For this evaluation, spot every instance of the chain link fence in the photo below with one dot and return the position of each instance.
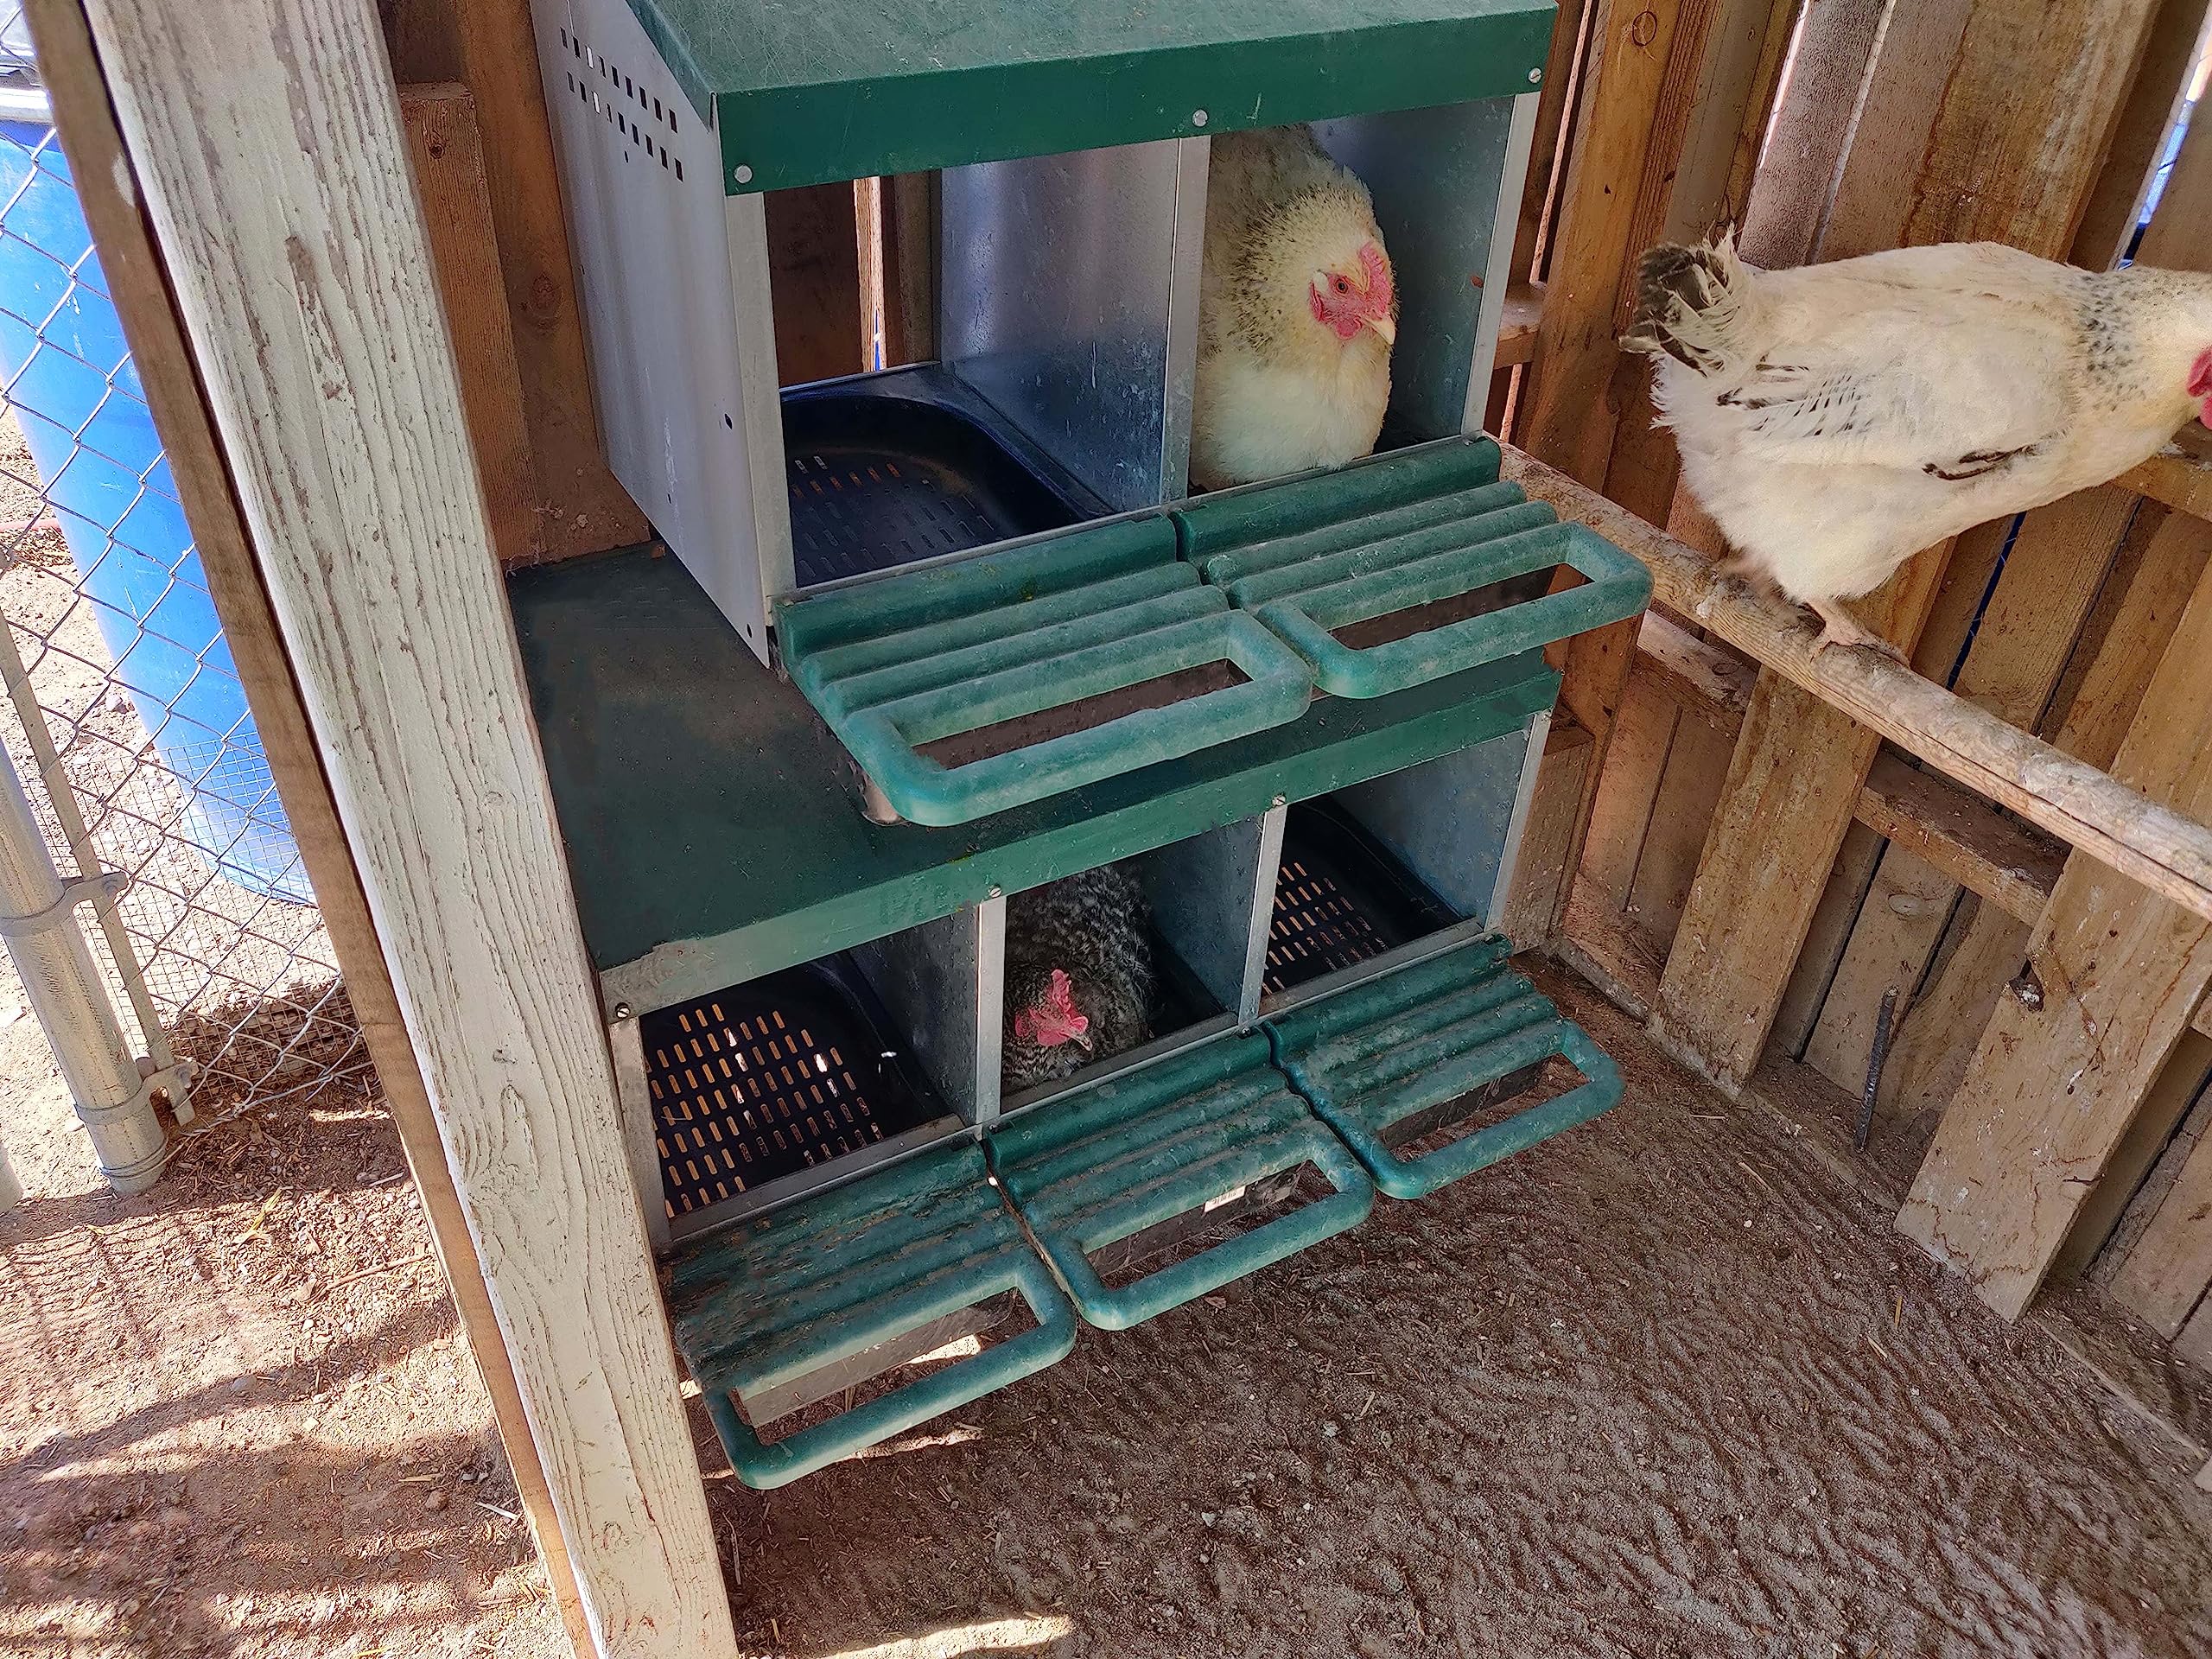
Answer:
(122, 700)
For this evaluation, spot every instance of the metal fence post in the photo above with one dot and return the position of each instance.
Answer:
(38, 921)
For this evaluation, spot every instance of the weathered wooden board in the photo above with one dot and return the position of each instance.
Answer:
(2052, 1089)
(292, 229)
(448, 158)
(490, 46)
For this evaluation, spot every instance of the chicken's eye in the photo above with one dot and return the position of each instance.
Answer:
(1340, 284)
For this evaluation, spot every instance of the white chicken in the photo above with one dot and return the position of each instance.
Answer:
(1297, 312)
(1835, 419)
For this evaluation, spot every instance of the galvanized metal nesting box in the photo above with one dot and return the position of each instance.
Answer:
(976, 592)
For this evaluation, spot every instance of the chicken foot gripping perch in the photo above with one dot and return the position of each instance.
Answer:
(1835, 419)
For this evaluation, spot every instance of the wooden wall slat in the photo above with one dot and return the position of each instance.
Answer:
(1789, 198)
(2121, 973)
(2169, 51)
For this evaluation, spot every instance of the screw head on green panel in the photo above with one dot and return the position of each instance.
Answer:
(742, 173)
(1198, 118)
(1535, 75)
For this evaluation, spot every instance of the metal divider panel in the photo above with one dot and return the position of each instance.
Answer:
(767, 1303)
(1371, 1056)
(1397, 571)
(1107, 1162)
(1078, 636)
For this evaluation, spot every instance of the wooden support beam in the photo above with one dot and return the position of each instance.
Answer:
(139, 288)
(2154, 102)
(448, 154)
(295, 242)
(2167, 852)
(1517, 332)
(490, 47)
(1962, 836)
(2053, 1089)
(2169, 1263)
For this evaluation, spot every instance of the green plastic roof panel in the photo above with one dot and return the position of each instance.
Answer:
(1092, 1168)
(948, 650)
(1383, 543)
(765, 1303)
(817, 91)
(1373, 1056)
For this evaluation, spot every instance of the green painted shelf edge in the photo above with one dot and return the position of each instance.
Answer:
(1370, 1057)
(806, 1286)
(713, 823)
(818, 91)
(1095, 1166)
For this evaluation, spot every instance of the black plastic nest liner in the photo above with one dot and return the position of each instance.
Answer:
(879, 479)
(1340, 898)
(772, 1076)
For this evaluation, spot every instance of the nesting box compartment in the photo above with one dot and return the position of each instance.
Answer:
(974, 596)
(1067, 152)
(843, 1285)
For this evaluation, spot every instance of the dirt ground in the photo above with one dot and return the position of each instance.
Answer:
(1661, 1387)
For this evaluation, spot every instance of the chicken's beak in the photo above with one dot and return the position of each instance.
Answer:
(1383, 326)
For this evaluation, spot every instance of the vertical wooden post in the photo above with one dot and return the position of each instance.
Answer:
(303, 273)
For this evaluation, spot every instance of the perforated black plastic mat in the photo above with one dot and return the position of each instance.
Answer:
(1340, 898)
(769, 1077)
(877, 481)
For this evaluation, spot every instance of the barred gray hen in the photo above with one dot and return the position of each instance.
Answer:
(1078, 976)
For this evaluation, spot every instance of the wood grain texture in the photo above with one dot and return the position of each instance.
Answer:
(1698, 674)
(302, 271)
(1934, 1044)
(2019, 649)
(815, 271)
(2052, 1089)
(489, 45)
(1789, 195)
(1898, 108)
(2026, 119)
(1555, 105)
(1540, 888)
(2179, 236)
(1961, 835)
(2167, 851)
(2166, 1267)
(1516, 328)
(139, 290)
(448, 160)
(1618, 158)
(2154, 100)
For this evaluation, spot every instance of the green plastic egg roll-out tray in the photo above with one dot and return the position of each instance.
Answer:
(1372, 1056)
(1376, 544)
(1094, 1167)
(764, 1304)
(950, 649)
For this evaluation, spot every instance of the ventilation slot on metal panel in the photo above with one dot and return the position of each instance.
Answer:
(767, 1078)
(1340, 900)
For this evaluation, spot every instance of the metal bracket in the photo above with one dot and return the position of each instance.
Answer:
(174, 1080)
(84, 890)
